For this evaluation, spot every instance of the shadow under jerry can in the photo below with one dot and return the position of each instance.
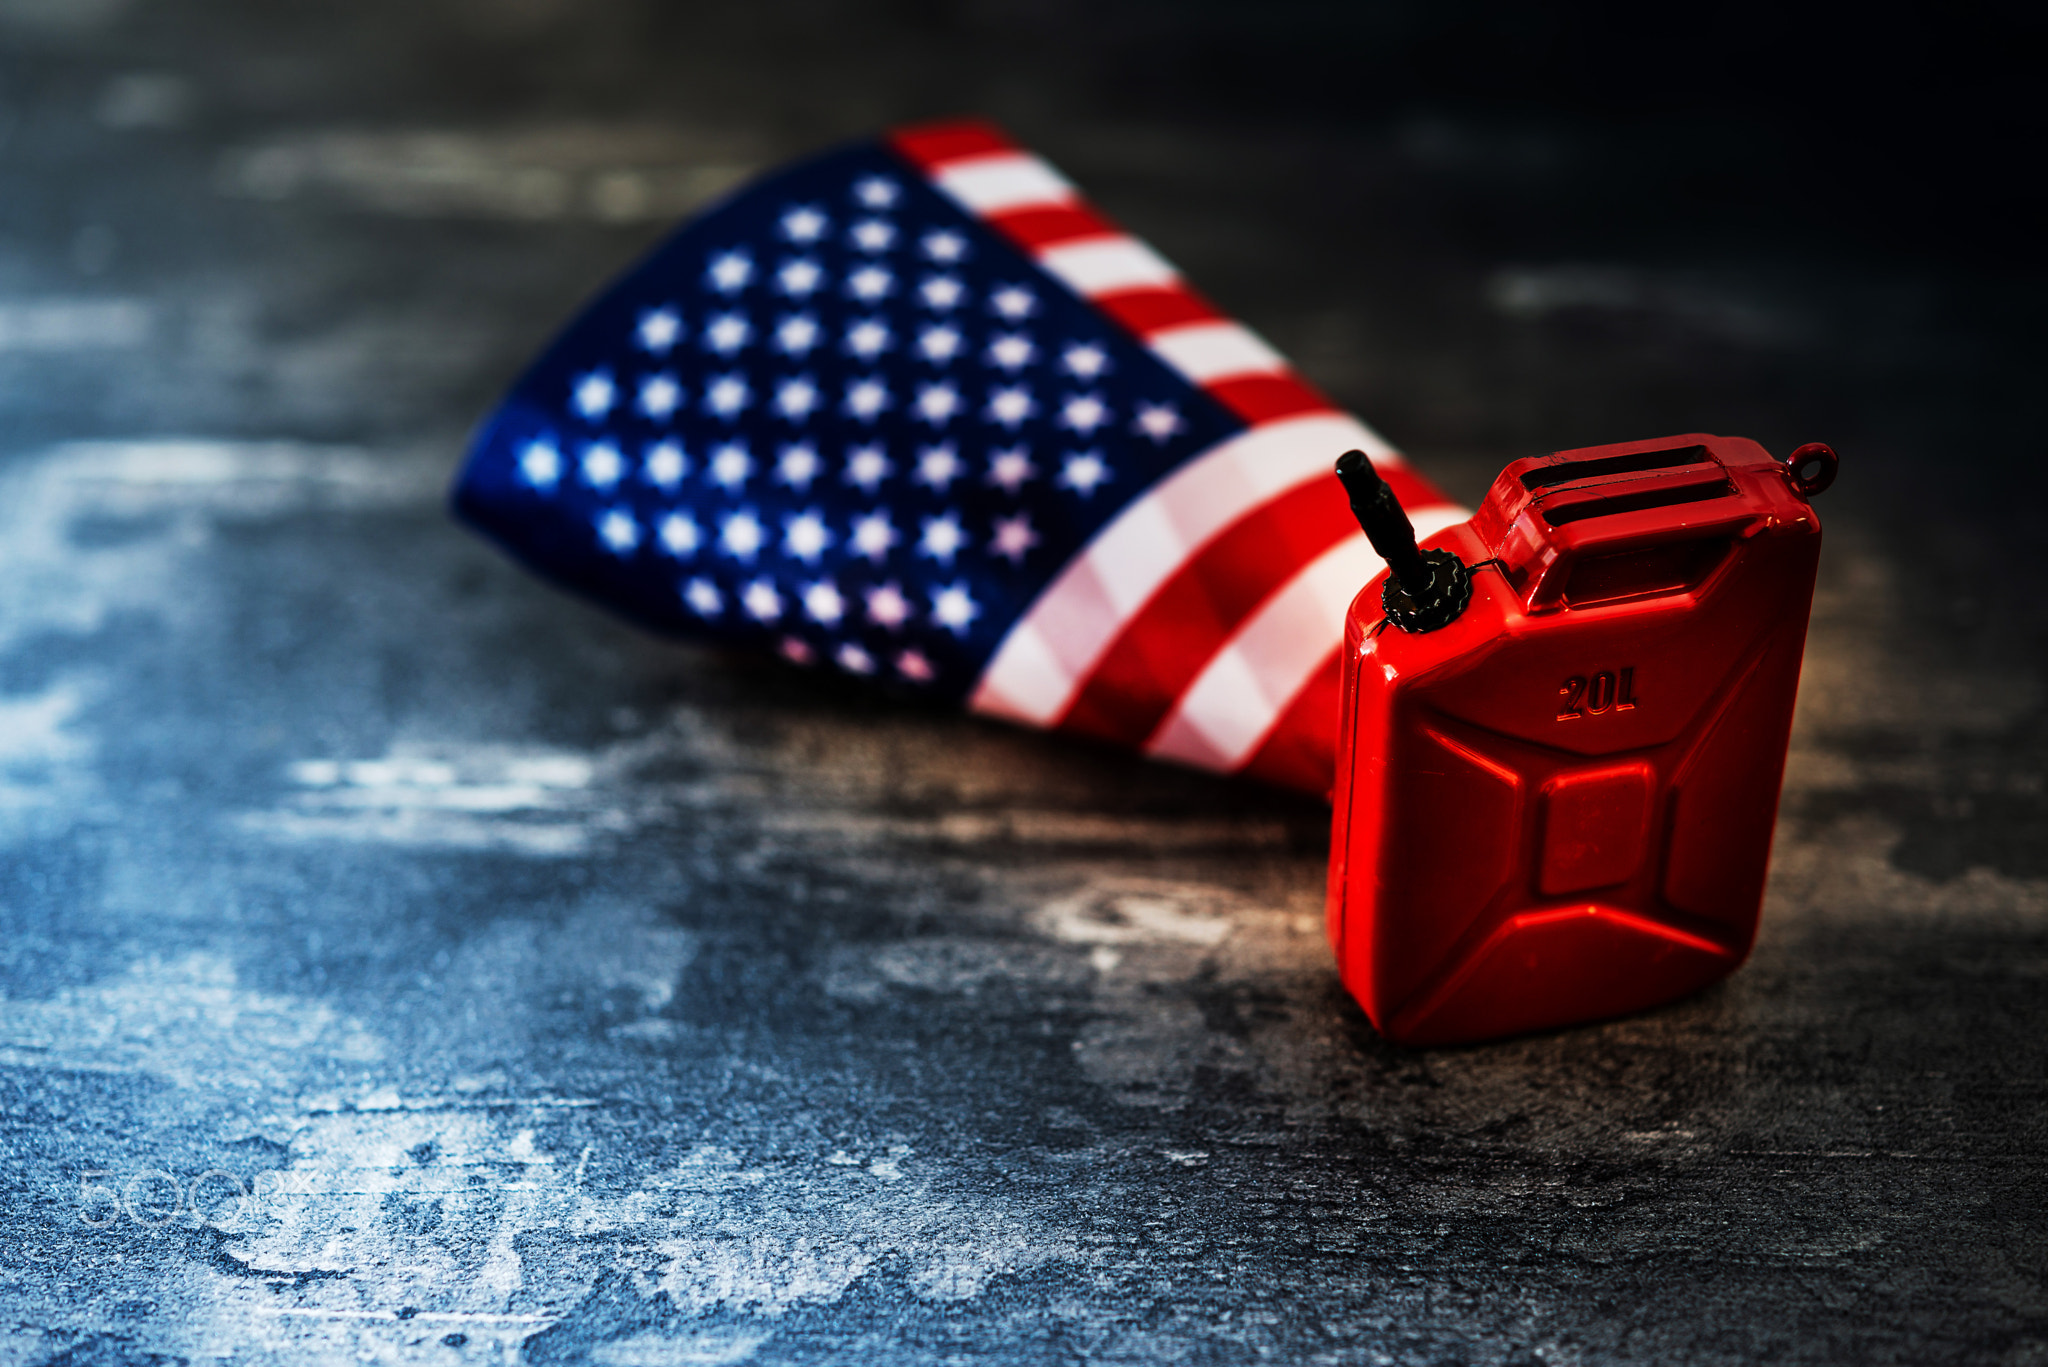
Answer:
(1563, 733)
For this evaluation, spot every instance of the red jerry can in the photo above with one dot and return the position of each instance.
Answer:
(1563, 732)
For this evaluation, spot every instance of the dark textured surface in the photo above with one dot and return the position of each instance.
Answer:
(562, 994)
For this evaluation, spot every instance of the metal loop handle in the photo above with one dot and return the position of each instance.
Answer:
(1811, 468)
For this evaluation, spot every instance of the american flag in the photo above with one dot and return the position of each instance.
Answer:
(915, 410)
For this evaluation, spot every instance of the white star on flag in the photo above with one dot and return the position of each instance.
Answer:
(870, 284)
(595, 394)
(796, 334)
(867, 467)
(679, 535)
(799, 277)
(1158, 421)
(1010, 406)
(760, 601)
(942, 538)
(938, 466)
(1084, 360)
(877, 192)
(726, 333)
(874, 536)
(602, 465)
(731, 466)
(665, 465)
(740, 535)
(660, 329)
(1013, 539)
(873, 235)
(945, 247)
(703, 597)
(540, 464)
(1084, 472)
(868, 338)
(939, 344)
(1009, 469)
(797, 464)
(1014, 302)
(660, 395)
(1011, 350)
(619, 532)
(728, 395)
(804, 223)
(823, 603)
(1083, 413)
(937, 403)
(805, 537)
(941, 292)
(730, 272)
(866, 398)
(797, 398)
(887, 607)
(954, 608)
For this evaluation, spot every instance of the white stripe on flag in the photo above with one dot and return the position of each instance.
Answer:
(1079, 614)
(1031, 670)
(1002, 181)
(1149, 538)
(1214, 351)
(1232, 705)
(1103, 265)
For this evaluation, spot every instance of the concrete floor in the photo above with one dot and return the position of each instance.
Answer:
(494, 983)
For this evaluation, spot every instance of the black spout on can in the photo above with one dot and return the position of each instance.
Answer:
(1425, 589)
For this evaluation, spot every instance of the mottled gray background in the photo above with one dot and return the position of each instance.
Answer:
(560, 995)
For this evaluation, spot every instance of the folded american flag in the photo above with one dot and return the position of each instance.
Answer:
(915, 410)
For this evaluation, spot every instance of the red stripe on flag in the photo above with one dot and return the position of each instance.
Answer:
(1263, 398)
(1172, 638)
(1146, 311)
(1299, 752)
(1036, 229)
(930, 144)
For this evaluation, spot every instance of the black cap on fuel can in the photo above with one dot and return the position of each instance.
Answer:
(1426, 589)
